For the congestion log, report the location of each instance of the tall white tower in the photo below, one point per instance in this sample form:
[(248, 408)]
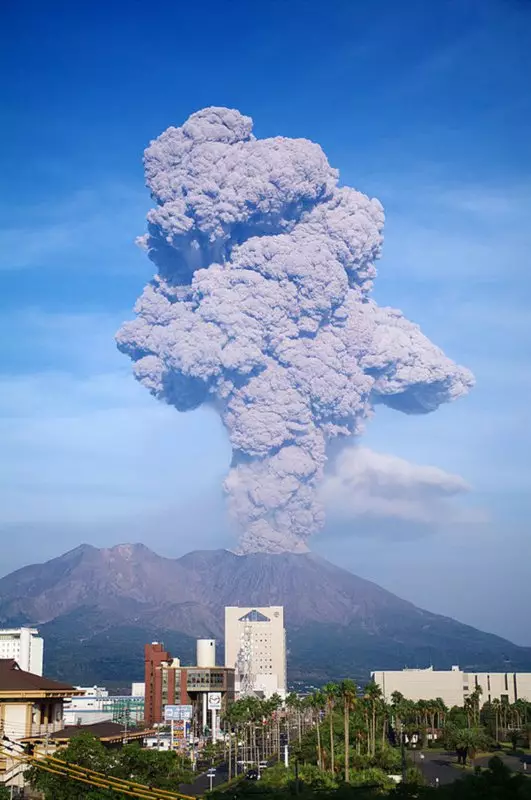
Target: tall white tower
[(255, 645)]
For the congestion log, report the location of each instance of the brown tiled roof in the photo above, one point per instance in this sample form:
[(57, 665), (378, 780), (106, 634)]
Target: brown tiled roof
[(14, 679), (101, 730)]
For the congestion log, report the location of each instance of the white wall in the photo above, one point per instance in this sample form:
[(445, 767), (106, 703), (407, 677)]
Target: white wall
[(16, 721), (87, 709), (453, 686), (36, 664), (422, 684), (523, 684), (268, 645), (495, 685)]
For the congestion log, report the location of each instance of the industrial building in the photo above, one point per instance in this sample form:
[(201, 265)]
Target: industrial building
[(454, 686), (25, 646), (95, 705), (206, 687), (255, 647)]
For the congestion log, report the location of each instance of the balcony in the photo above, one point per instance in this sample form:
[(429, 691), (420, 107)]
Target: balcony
[(42, 731)]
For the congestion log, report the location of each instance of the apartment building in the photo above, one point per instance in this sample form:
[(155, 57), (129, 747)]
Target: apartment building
[(25, 646)]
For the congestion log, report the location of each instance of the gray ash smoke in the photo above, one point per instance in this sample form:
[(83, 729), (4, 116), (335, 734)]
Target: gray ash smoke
[(261, 308)]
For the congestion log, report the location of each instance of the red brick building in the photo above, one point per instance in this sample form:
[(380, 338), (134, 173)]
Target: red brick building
[(169, 683)]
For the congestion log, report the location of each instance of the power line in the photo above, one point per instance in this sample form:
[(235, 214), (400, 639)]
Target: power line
[(91, 777)]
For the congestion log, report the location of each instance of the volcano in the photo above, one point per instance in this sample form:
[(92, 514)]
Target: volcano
[(96, 608)]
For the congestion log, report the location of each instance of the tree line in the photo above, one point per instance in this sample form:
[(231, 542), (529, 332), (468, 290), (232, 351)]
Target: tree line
[(340, 728)]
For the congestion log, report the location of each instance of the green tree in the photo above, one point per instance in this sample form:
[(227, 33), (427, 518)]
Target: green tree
[(160, 769), (373, 697), (330, 692), (465, 741), (150, 767), (348, 692), (318, 702)]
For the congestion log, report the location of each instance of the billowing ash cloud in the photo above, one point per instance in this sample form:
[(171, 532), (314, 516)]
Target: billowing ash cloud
[(260, 307)]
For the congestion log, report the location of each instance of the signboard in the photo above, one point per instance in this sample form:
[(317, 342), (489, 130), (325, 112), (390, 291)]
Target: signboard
[(179, 729), (177, 713), (214, 701)]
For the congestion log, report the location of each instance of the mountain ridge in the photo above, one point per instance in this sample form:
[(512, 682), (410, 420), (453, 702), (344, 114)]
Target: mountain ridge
[(97, 607)]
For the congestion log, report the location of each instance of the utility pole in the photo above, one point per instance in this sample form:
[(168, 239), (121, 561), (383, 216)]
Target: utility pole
[(403, 754)]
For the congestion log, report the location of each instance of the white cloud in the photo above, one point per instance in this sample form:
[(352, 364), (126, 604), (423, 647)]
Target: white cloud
[(366, 484)]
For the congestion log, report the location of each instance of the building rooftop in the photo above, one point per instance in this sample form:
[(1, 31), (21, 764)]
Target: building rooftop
[(13, 679), (105, 731)]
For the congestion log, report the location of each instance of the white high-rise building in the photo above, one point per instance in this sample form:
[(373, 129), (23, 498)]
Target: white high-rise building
[(25, 646), (255, 646)]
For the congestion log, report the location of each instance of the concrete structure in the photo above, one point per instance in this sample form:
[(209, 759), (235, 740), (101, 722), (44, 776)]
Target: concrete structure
[(168, 682), (255, 646), (88, 708), (206, 653), (138, 690), (31, 707), (454, 685), (95, 705), (24, 646)]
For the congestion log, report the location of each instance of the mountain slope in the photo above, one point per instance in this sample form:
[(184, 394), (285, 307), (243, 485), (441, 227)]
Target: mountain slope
[(96, 609)]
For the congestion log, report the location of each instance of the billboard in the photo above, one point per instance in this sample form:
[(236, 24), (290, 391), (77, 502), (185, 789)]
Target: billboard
[(177, 713), (214, 701)]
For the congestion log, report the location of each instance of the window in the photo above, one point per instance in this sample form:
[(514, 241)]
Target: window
[(254, 616)]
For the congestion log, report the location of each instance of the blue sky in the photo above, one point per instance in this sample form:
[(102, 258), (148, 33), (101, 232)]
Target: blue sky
[(424, 105)]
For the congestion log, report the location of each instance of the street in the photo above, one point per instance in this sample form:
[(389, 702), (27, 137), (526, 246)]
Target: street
[(202, 782), (442, 765)]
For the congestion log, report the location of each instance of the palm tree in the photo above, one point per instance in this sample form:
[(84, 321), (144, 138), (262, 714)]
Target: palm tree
[(317, 702), (349, 692), (496, 707), (373, 696), (294, 706), (442, 711), (330, 692)]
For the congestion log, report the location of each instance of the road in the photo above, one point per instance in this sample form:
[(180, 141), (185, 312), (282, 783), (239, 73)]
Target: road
[(443, 766), (202, 782), (439, 766), (516, 763)]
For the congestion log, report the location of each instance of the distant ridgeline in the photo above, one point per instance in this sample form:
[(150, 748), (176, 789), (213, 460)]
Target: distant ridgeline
[(97, 608)]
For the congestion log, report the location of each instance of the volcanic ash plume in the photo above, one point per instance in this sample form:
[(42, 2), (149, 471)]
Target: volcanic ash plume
[(260, 307)]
